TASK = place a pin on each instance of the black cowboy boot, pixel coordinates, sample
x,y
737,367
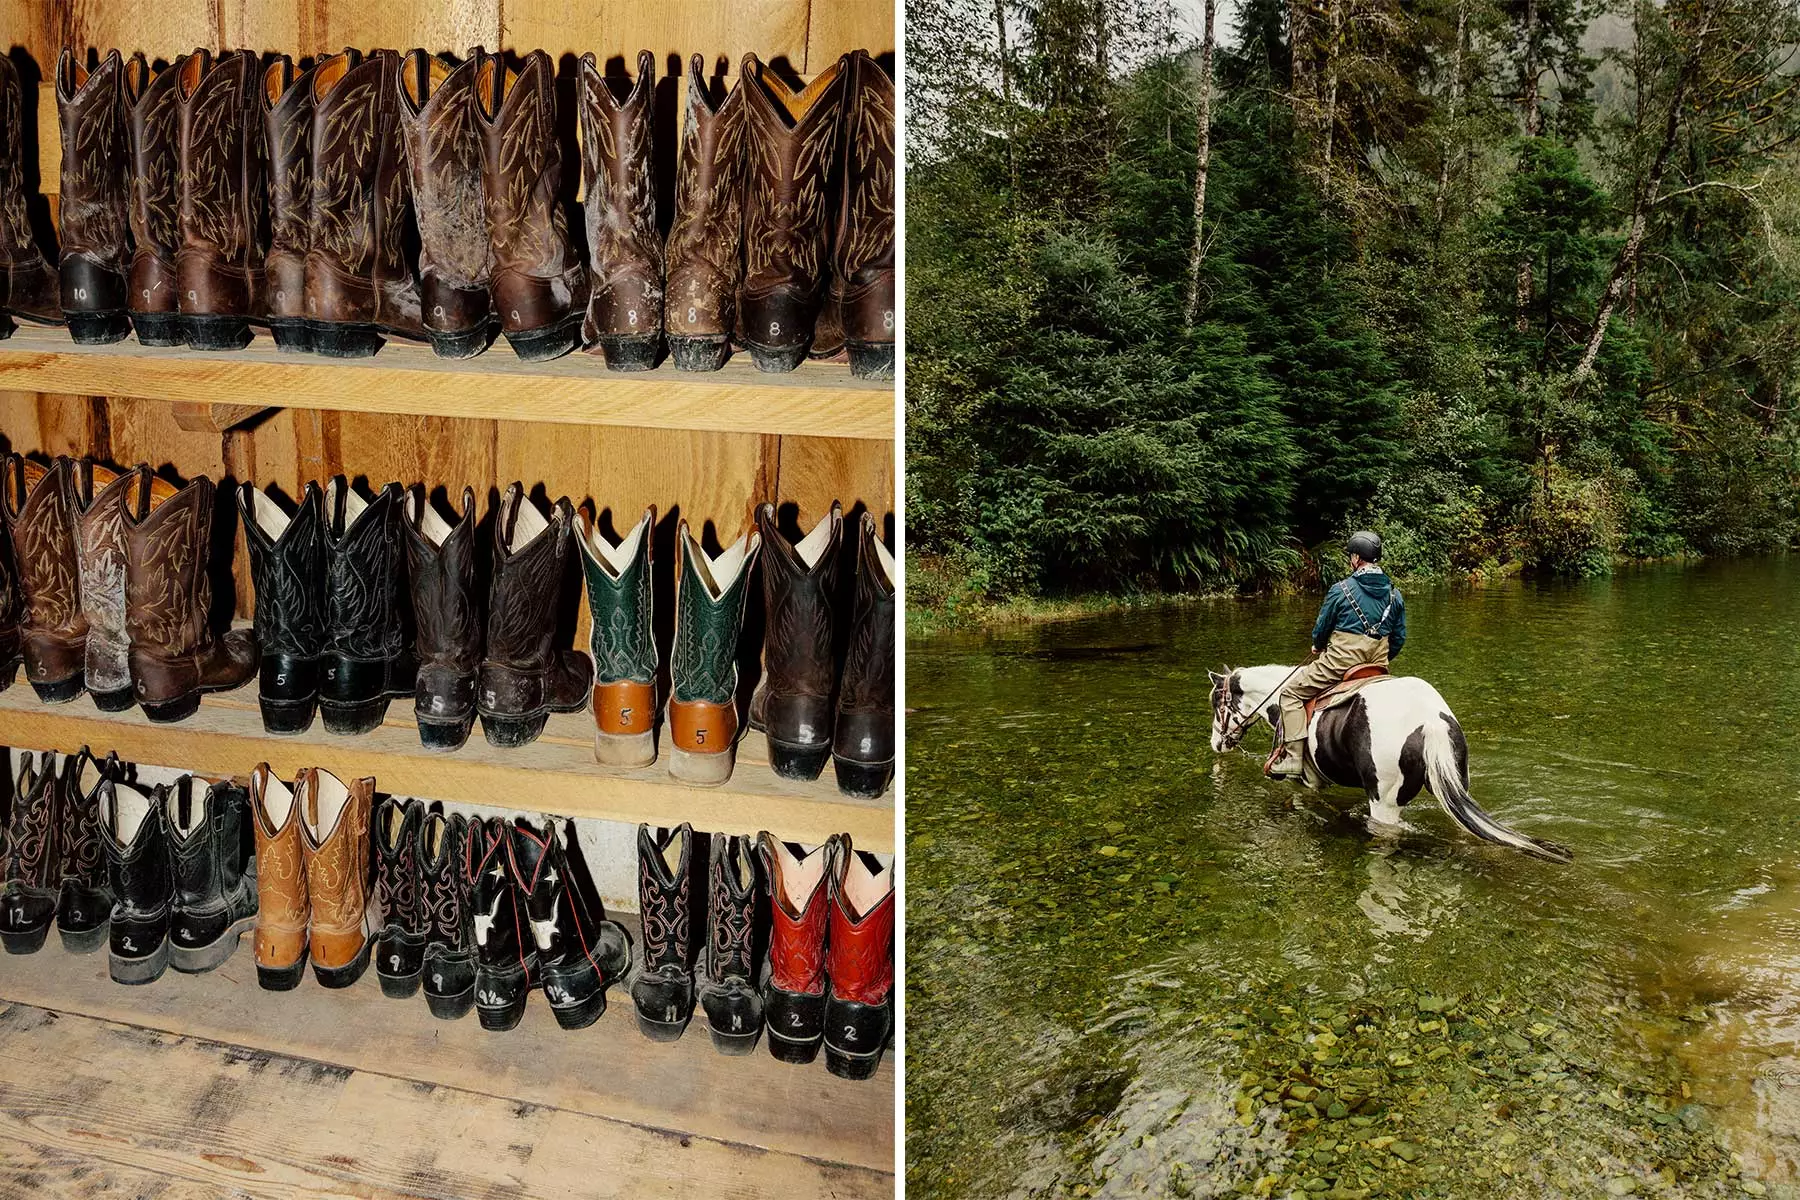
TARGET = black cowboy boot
x,y
506,957
400,948
664,990
734,1010
862,747
213,856
449,964
367,659
441,556
792,703
33,862
287,565
623,639
137,855
579,954
84,904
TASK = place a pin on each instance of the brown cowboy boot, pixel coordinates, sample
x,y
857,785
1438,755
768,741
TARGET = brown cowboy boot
x,y
40,516
792,703
175,656
101,497
443,160
540,287
282,912
12,605
334,839
219,275
625,297
28,283
91,212
862,745
859,308
287,116
153,132
704,251
358,283
440,556
792,146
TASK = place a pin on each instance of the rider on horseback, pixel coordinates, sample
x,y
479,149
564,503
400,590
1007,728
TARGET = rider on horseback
x,y
1362,622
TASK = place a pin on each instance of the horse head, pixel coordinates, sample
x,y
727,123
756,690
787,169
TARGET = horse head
x,y
1228,722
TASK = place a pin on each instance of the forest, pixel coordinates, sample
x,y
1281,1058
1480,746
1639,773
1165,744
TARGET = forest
x,y
1191,293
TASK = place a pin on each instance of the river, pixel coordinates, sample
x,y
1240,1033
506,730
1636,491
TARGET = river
x,y
1134,967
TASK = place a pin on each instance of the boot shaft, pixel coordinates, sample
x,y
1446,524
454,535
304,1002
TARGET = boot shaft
x,y
18,245
395,830
531,562
732,895
868,680
496,910
862,251
334,835
363,558
101,498
208,840
798,906
153,136
443,158
709,617
625,248
358,170
40,516
665,865
440,558
860,957
137,848
168,540
621,602
287,130
800,598
282,905
91,211
287,567
705,241
82,849
443,893
223,212
34,827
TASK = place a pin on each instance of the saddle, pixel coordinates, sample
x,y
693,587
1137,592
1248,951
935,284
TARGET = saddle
x,y
1354,680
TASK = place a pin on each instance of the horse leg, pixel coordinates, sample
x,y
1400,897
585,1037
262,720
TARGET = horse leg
x,y
1384,804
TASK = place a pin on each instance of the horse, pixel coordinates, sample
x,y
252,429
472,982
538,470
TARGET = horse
x,y
1393,738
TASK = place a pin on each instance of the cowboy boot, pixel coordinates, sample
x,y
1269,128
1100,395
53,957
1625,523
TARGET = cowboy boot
x,y
862,746
792,703
441,558
219,275
287,567
334,839
859,957
625,252
705,248
663,991
101,498
154,135
506,961
175,656
287,121
449,962
709,617
212,852
138,872
40,515
734,1010
794,990
580,953
443,161
84,900
859,307
540,287
792,147
624,642
33,864
12,603
28,283
525,676
358,284
400,947
367,658
90,215
283,910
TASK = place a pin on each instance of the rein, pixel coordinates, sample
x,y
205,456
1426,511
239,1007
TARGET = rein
x,y
1244,721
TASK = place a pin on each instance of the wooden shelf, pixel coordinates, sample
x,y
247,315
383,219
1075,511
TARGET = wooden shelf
x,y
556,774
821,399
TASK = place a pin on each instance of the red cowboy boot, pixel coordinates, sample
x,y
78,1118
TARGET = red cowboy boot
x,y
794,999
859,1014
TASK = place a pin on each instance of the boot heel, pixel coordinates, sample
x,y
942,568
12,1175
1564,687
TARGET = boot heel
x,y
705,770
98,329
499,1018
159,329
625,749
580,1016
798,1051
772,361
281,979
798,762
25,941
461,345
197,960
866,781
286,717
217,333
174,710
85,941
444,736
735,1044
661,1031
872,361
344,976
510,732
118,701
851,1066
699,353
291,334
540,345
134,971
630,353
350,720
345,341
400,987
60,692
451,1008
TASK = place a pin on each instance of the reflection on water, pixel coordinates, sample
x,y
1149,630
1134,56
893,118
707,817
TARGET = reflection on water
x,y
1136,968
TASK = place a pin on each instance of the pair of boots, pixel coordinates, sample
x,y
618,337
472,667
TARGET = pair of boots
x,y
808,710
663,992
831,946
54,869
312,877
426,933
182,872
116,595
535,926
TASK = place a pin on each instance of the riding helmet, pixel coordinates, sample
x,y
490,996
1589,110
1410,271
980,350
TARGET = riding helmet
x,y
1365,545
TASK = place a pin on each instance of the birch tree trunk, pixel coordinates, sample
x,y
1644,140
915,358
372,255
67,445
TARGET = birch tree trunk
x,y
1534,125
1202,158
1456,88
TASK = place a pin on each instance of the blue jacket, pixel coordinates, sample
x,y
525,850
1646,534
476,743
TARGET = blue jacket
x,y
1356,605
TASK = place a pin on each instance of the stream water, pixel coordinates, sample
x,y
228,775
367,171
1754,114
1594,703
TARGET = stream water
x,y
1136,968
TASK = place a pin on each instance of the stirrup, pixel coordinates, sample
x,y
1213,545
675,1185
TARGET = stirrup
x,y
1276,757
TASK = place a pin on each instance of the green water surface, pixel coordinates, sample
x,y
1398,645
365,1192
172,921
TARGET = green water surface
x,y
1135,968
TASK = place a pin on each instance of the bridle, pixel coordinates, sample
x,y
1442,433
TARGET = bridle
x,y
1239,723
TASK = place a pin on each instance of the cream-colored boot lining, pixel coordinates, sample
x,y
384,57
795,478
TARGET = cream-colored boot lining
x,y
324,804
718,574
269,517
799,876
526,521
274,800
610,558
128,810
863,888
812,547
425,518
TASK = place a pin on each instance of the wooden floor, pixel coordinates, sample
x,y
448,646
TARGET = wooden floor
x,y
207,1086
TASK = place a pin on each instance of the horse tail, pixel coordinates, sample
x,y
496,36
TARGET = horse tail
x,y
1448,783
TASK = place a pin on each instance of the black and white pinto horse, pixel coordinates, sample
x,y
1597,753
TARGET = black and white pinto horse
x,y
1393,738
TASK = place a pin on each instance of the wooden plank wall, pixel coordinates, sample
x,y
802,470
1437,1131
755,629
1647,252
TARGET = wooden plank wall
x,y
706,477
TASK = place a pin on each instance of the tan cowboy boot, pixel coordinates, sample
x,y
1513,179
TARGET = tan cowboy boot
x,y
282,908
334,834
